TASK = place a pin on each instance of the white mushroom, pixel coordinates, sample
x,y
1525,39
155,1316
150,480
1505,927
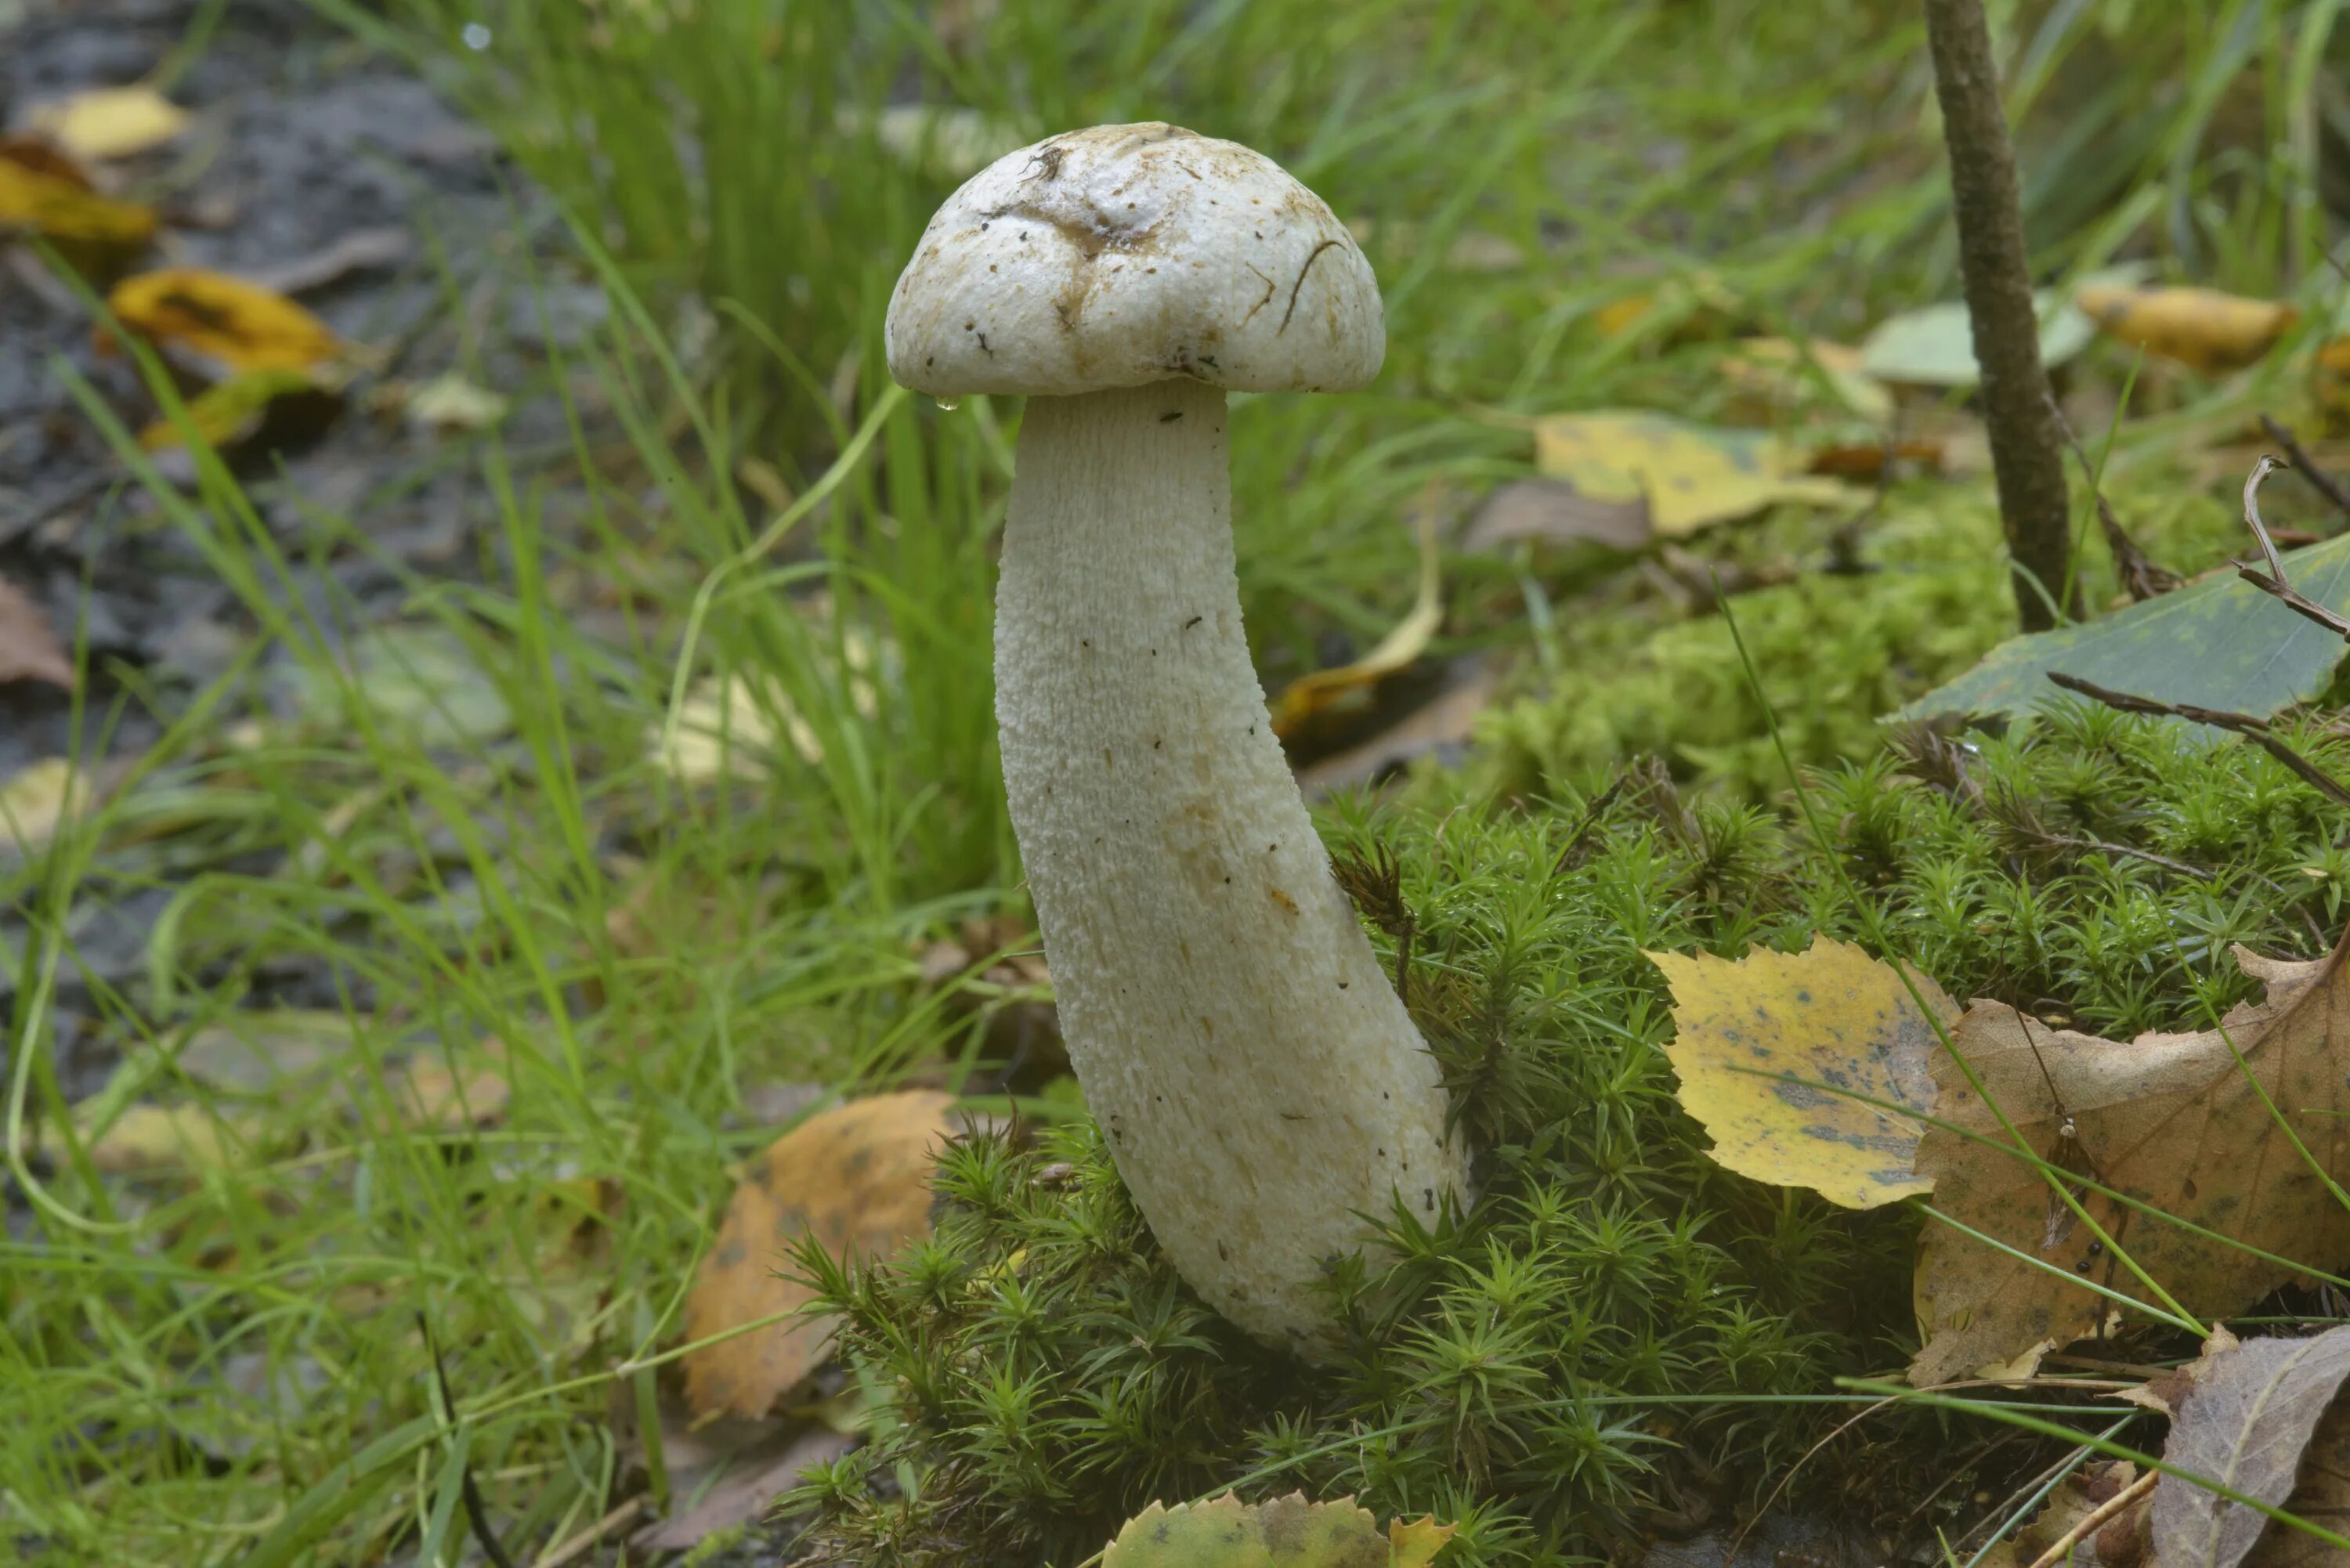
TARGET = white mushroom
x,y
1260,1086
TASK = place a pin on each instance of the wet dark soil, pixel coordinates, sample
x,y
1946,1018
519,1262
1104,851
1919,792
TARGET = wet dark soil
x,y
318,166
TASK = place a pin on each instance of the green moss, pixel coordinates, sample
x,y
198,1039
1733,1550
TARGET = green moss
x,y
1606,1331
1927,597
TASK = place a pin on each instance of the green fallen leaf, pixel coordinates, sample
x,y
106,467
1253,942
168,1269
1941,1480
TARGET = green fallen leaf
x,y
1285,1532
420,680
2218,643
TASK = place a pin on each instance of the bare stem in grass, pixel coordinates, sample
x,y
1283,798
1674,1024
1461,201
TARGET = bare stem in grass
x,y
2272,582
2298,457
2026,457
2140,575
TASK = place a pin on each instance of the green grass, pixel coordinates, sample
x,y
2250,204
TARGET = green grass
x,y
652,954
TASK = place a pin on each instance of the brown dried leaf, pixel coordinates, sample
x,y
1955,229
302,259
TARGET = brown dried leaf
x,y
2247,1423
2171,1120
29,651
1448,720
857,1179
2320,1494
1553,512
2072,1501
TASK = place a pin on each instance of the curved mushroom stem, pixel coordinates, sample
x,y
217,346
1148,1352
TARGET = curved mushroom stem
x,y
1259,1082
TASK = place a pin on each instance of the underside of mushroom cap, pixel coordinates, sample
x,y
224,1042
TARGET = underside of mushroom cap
x,y
1130,254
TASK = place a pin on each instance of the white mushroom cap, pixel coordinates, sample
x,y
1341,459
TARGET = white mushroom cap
x,y
1130,254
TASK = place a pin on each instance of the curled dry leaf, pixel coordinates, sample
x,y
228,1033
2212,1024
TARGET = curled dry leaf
x,y
1781,1054
2258,1422
1284,1532
856,1178
2176,1122
2071,1502
1310,696
237,324
1446,721
1552,511
2201,329
41,200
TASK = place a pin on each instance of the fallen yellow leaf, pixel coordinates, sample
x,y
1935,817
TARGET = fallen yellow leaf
x,y
1311,695
111,122
1781,1054
2180,1123
43,201
856,1178
2199,327
1691,476
239,324
244,406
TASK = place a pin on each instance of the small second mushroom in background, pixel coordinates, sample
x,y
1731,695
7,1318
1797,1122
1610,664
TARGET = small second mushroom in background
x,y
1259,1082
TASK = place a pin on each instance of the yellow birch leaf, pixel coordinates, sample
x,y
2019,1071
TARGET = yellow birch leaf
x,y
242,325
2201,328
1691,476
111,122
1781,1054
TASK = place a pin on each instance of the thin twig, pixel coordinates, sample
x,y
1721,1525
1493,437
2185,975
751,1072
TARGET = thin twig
x,y
2272,582
2139,574
2258,730
2305,465
2252,483
2095,1519
1574,854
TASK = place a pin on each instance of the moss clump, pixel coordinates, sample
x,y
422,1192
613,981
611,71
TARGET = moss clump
x,y
1925,595
1596,1342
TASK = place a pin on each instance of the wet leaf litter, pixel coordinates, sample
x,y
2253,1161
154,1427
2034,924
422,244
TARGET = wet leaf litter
x,y
278,281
